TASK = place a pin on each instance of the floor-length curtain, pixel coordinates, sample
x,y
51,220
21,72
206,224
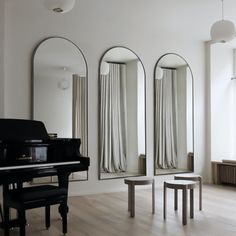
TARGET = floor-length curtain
x,y
79,111
113,119
166,120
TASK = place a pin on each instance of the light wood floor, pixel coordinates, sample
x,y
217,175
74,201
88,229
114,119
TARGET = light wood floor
x,y
106,215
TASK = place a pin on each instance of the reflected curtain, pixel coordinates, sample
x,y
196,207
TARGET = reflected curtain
x,y
113,119
166,120
79,110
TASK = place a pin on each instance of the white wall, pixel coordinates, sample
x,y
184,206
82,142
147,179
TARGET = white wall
x,y
96,26
2,35
222,103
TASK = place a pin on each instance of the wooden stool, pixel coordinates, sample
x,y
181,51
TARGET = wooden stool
x,y
193,177
184,185
131,191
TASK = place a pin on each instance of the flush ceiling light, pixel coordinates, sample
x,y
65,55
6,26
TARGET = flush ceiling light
x,y
222,31
59,6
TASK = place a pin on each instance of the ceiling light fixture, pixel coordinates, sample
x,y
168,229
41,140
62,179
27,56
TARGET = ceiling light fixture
x,y
222,31
59,6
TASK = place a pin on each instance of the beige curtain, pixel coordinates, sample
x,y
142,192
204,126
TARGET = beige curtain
x,y
79,111
166,120
113,119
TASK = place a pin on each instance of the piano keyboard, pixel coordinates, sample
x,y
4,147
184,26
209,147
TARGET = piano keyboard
x,y
47,165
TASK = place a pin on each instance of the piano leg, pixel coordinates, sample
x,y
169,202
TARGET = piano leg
x,y
63,182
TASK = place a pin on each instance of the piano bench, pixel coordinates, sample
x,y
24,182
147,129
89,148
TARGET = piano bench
x,y
34,197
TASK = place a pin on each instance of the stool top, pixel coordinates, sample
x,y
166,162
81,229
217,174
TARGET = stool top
x,y
142,180
180,184
188,176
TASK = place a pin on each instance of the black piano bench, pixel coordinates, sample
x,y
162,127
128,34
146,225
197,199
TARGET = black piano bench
x,y
34,197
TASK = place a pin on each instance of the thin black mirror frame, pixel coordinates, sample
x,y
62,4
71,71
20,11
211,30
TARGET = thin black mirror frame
x,y
154,93
32,84
99,98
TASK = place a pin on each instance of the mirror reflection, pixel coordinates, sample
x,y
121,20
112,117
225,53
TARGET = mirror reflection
x,y
60,92
173,111
122,134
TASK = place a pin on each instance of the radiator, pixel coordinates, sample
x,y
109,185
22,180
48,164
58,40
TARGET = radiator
x,y
227,174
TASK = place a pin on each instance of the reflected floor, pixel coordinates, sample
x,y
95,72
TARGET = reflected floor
x,y
76,176
118,175
170,171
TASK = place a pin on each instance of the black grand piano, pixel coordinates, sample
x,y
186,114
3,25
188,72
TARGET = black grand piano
x,y
27,152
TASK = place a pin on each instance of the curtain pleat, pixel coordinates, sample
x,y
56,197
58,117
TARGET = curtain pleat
x,y
113,119
166,120
79,110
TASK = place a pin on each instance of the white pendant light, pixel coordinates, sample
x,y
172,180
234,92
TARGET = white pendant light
x,y
159,73
59,6
222,31
104,68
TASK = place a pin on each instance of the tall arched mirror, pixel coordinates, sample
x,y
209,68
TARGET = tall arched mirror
x,y
173,116
59,92
122,117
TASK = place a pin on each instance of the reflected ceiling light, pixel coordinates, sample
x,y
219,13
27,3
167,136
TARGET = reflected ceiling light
x,y
222,31
63,84
159,73
105,68
59,6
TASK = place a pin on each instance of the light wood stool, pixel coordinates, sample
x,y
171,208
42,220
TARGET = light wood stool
x,y
131,192
192,177
184,186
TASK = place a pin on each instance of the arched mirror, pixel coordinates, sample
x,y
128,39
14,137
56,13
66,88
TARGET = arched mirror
x,y
59,93
122,125
173,115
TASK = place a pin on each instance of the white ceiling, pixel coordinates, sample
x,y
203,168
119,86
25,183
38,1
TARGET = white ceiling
x,y
58,55
171,60
120,55
191,18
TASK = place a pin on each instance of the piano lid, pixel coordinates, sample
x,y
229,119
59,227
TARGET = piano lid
x,y
19,129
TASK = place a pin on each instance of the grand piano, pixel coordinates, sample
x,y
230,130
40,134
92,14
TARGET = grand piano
x,y
27,152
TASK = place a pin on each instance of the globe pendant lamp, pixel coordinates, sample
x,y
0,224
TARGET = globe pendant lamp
x,y
104,68
222,31
59,6
159,73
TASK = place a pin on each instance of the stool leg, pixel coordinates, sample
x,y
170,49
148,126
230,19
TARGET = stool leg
x,y
200,193
132,200
129,197
176,200
164,201
184,206
191,204
153,197
47,217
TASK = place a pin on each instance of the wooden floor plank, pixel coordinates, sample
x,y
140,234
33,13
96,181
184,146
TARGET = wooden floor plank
x,y
107,215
